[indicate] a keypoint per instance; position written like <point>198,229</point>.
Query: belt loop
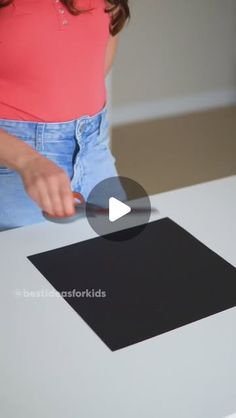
<point>39,136</point>
<point>102,121</point>
<point>79,127</point>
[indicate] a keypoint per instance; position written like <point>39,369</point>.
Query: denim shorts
<point>80,147</point>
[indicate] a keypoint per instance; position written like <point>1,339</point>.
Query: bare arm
<point>46,183</point>
<point>13,151</point>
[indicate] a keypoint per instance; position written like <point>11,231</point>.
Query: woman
<point>54,134</point>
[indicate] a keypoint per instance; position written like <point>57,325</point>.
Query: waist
<point>51,103</point>
<point>55,130</point>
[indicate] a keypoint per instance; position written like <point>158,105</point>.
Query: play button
<point>125,207</point>
<point>117,209</point>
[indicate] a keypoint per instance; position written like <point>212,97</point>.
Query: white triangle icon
<point>117,209</point>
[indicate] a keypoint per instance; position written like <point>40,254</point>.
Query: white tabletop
<point>54,366</point>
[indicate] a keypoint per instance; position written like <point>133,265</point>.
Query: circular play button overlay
<point>118,208</point>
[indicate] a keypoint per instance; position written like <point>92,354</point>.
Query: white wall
<point>175,56</point>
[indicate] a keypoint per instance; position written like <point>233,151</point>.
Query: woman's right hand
<point>48,185</point>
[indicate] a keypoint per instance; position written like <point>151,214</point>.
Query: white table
<point>54,366</point>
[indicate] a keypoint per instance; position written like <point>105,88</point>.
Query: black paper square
<point>160,280</point>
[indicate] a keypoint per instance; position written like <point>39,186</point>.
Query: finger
<point>54,184</point>
<point>33,190</point>
<point>57,203</point>
<point>34,195</point>
<point>39,193</point>
<point>67,198</point>
<point>45,200</point>
<point>55,198</point>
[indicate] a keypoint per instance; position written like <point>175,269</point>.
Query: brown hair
<point>119,10</point>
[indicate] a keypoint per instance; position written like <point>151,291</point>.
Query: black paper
<point>160,280</point>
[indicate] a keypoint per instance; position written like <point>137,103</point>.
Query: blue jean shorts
<point>80,147</point>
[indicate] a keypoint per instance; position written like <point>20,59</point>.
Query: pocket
<point>6,170</point>
<point>12,130</point>
<point>59,151</point>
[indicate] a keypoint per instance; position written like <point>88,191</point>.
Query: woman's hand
<point>48,185</point>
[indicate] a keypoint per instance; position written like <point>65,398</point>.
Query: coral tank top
<point>51,62</point>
